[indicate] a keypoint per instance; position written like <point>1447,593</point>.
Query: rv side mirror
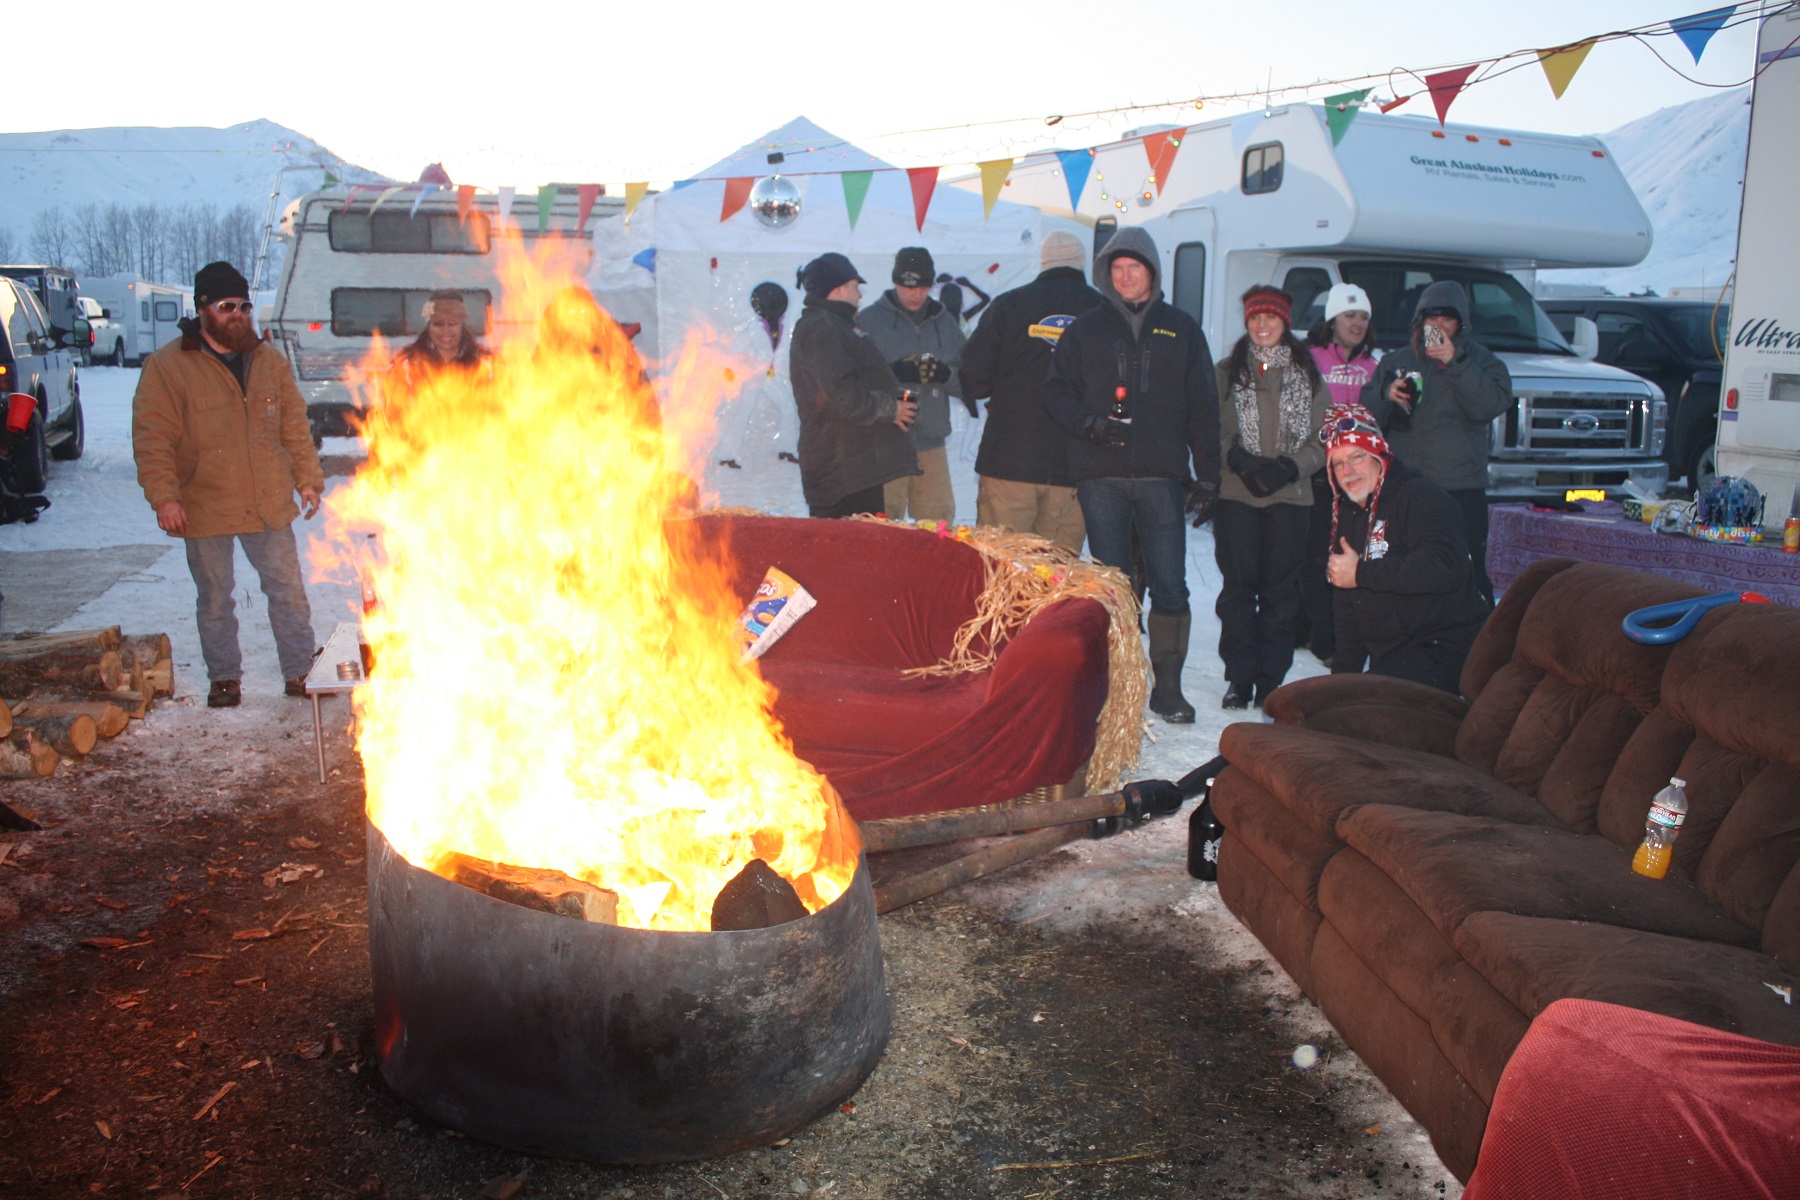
<point>1586,341</point>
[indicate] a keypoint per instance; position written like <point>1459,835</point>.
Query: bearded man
<point>219,431</point>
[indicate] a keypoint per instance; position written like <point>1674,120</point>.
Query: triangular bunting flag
<point>465,201</point>
<point>1340,110</point>
<point>330,180</point>
<point>646,259</point>
<point>993,178</point>
<point>1697,30</point>
<point>503,204</point>
<point>924,182</point>
<point>1561,64</point>
<point>587,193</point>
<point>856,189</point>
<point>546,206</point>
<point>1445,85</point>
<point>1160,148</point>
<point>386,195</point>
<point>634,193</point>
<point>737,191</point>
<point>1075,167</point>
<point>420,199</point>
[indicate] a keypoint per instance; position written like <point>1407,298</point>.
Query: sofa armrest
<point>1374,708</point>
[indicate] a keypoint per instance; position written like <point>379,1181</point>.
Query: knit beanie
<point>219,281</point>
<point>913,267</point>
<point>1270,301</point>
<point>1353,425</point>
<point>1062,250</point>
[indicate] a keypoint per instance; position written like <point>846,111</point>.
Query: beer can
<point>1790,536</point>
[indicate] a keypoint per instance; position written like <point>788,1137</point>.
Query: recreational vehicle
<point>1396,204</point>
<point>358,272</point>
<point>149,314</point>
<point>1759,417</point>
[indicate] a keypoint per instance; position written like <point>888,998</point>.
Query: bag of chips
<point>778,603</point>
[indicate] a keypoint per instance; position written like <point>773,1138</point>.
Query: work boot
<point>1168,653</point>
<point>295,686</point>
<point>224,693</point>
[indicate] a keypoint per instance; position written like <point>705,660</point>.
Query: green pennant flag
<point>856,189</point>
<point>1340,110</point>
<point>546,202</point>
<point>330,179</point>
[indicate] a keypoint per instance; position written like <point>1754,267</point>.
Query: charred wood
<point>756,898</point>
<point>537,888</point>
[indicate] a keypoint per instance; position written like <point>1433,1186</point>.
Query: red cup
<point>19,408</point>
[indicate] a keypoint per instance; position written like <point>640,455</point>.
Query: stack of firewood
<point>60,693</point>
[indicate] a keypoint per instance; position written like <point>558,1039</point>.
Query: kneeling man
<point>1406,595</point>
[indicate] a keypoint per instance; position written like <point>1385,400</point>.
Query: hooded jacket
<point>933,330</point>
<point>1447,431</point>
<point>1308,456</point>
<point>1160,357</point>
<point>1415,582</point>
<point>1005,363</point>
<point>233,456</point>
<point>846,397</point>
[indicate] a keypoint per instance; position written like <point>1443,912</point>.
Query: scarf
<point>1295,406</point>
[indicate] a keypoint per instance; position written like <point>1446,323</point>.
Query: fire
<point>556,681</point>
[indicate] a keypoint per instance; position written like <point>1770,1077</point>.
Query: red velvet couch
<point>1435,873</point>
<point>893,598</point>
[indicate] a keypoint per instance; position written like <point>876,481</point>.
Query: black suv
<point>35,359</point>
<point>1675,344</point>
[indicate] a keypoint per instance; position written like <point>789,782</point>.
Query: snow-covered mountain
<point>1686,164</point>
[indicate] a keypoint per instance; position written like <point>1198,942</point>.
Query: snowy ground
<point>1121,884</point>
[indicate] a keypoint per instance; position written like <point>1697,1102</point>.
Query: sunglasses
<point>1439,312</point>
<point>227,307</point>
<point>1345,425</point>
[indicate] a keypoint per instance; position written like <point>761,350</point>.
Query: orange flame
<point>556,680</point>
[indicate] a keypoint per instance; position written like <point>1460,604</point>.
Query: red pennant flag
<point>465,201</point>
<point>737,191</point>
<point>587,193</point>
<point>924,182</point>
<point>1445,85</point>
<point>1160,149</point>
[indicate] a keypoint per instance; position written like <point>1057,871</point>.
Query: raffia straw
<point>1025,574</point>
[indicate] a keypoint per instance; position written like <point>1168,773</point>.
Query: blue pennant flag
<point>1075,166</point>
<point>646,259</point>
<point>1697,30</point>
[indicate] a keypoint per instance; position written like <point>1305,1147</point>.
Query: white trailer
<point>1759,413</point>
<point>358,272</point>
<point>1396,205</point>
<point>148,313</point>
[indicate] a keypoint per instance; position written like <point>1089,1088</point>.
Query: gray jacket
<point>1308,457</point>
<point>899,335</point>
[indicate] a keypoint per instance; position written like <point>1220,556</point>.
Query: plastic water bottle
<point>1667,811</point>
<point>366,574</point>
<point>1204,835</point>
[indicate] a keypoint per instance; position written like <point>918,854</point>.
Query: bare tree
<point>150,224</point>
<point>9,245</point>
<point>89,236</point>
<point>51,238</point>
<point>121,239</point>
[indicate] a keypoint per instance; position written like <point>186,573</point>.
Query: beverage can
<point>1790,536</point>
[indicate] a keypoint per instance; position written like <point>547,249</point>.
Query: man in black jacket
<point>1023,464</point>
<point>1405,589</point>
<point>1132,381</point>
<point>853,415</point>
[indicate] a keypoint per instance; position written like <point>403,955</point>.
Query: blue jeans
<point>1113,507</point>
<point>277,561</point>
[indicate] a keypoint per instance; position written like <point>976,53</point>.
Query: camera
<point>1434,336</point>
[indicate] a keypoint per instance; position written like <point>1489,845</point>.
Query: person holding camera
<point>1437,398</point>
<point>923,343</point>
<point>1272,399</point>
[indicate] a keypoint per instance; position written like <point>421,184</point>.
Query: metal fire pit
<point>573,1040</point>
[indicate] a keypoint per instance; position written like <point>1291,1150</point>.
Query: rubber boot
<point>1168,653</point>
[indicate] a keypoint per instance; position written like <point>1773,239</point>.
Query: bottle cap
<point>1674,782</point>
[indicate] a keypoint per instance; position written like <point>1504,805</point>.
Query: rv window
<point>1307,285</point>
<point>168,310</point>
<point>1262,168</point>
<point>396,232</point>
<point>1190,278</point>
<point>394,312</point>
<point>143,310</point>
<point>1104,228</point>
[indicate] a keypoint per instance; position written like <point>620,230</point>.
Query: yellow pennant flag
<point>1561,64</point>
<point>993,178</point>
<point>633,193</point>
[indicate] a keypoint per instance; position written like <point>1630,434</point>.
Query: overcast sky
<point>542,91</point>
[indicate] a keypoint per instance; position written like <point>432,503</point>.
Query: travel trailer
<point>147,313</point>
<point>358,272</point>
<point>1759,415</point>
<point>1397,204</point>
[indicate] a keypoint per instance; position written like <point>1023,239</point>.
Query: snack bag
<point>778,603</point>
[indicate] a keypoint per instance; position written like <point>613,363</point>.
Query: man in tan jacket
<point>221,439</point>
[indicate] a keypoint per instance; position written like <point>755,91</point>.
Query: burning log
<point>153,654</point>
<point>756,898</point>
<point>91,669</point>
<point>109,719</point>
<point>25,755</point>
<point>72,735</point>
<point>536,888</point>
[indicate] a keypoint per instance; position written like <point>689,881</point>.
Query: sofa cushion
<point>852,706</point>
<point>1533,961</point>
<point>1453,866</point>
<point>1387,931</point>
<point>1371,708</point>
<point>1317,776</point>
<point>1493,649</point>
<point>1290,850</point>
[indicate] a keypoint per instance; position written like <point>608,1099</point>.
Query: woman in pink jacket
<point>1343,348</point>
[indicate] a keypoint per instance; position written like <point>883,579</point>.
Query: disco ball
<point>775,201</point>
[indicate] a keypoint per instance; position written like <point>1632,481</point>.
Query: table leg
<point>319,736</point>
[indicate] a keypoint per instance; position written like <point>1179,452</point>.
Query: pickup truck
<point>106,337</point>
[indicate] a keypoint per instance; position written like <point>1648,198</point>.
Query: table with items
<point>340,669</point>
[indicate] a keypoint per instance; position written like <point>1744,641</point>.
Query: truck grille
<point>1579,425</point>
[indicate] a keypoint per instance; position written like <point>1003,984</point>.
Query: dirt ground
<point>183,961</point>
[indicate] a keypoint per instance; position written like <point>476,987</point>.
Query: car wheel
<point>70,448</point>
<point>1702,467</point>
<point>118,354</point>
<point>31,458</point>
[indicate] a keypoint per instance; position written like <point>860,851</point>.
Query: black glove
<point>906,370</point>
<point>1240,459</point>
<point>1200,500</point>
<point>932,369</point>
<point>1104,431</point>
<point>973,406</point>
<point>1270,475</point>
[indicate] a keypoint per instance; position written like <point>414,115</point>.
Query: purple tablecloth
<point>1518,536</point>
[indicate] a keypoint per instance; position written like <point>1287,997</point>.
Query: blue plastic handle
<point>1685,613</point>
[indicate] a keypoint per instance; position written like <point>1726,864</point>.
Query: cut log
<point>109,719</point>
<point>25,755</point>
<point>134,704</point>
<point>152,652</point>
<point>28,645</point>
<point>756,898</point>
<point>93,670</point>
<point>6,720</point>
<point>72,735</point>
<point>533,887</point>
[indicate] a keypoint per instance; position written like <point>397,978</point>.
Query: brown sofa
<point>1435,872</point>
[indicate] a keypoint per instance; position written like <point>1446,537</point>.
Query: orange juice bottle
<point>1667,811</point>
